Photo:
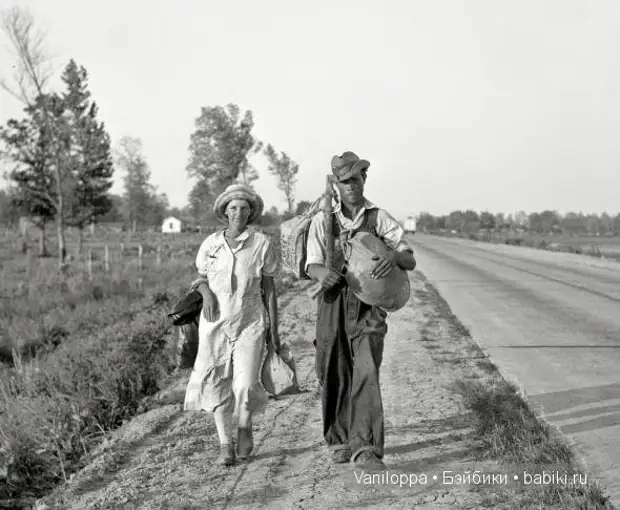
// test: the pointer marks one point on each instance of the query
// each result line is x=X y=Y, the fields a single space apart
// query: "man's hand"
x=326 y=277
x=209 y=303
x=384 y=264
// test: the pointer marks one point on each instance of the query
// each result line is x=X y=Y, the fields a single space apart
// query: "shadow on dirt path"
x=163 y=459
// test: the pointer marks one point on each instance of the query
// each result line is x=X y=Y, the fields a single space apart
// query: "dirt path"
x=163 y=458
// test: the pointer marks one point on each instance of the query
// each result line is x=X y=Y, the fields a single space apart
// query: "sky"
x=498 y=105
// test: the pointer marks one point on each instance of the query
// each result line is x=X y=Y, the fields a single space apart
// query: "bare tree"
x=32 y=70
x=32 y=67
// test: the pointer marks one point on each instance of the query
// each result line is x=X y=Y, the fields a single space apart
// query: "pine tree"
x=29 y=143
x=90 y=159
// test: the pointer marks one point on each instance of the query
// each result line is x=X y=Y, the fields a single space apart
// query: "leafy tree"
x=487 y=220
x=9 y=208
x=200 y=205
x=302 y=206
x=220 y=148
x=454 y=221
x=158 y=209
x=616 y=224
x=285 y=170
x=115 y=213
x=606 y=223
x=90 y=158
x=426 y=221
x=139 y=191
x=29 y=146
x=471 y=221
x=549 y=221
x=31 y=76
x=500 y=221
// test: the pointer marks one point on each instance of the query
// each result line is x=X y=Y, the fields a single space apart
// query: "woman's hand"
x=209 y=303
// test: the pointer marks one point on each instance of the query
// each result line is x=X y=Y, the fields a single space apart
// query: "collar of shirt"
x=243 y=237
x=356 y=222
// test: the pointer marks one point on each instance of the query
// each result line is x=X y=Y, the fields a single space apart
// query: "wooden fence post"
x=90 y=263
x=140 y=256
x=29 y=262
x=106 y=259
x=159 y=254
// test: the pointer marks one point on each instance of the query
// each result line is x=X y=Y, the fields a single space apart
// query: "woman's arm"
x=271 y=302
x=209 y=302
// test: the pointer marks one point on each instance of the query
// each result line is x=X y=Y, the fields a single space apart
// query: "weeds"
x=81 y=349
x=510 y=432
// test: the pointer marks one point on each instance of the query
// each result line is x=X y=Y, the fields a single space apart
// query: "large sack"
x=390 y=293
x=293 y=241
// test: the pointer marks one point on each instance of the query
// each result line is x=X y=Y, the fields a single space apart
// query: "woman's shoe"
x=245 y=442
x=226 y=456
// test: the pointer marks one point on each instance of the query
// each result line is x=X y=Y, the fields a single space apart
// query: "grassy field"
x=81 y=346
x=594 y=246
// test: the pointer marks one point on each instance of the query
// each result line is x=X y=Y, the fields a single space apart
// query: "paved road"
x=551 y=322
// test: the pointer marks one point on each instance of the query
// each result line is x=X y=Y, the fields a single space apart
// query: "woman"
x=236 y=267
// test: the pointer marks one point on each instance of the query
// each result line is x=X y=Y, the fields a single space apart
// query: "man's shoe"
x=369 y=460
x=341 y=456
x=245 y=442
x=226 y=456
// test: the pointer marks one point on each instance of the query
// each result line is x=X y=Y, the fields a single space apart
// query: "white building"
x=171 y=225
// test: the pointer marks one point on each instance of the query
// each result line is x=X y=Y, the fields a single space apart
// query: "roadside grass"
x=510 y=432
x=80 y=351
x=506 y=429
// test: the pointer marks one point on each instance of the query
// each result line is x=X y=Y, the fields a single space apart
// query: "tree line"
x=62 y=165
x=544 y=222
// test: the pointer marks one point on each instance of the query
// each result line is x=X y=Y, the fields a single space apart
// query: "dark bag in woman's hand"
x=187 y=309
x=187 y=345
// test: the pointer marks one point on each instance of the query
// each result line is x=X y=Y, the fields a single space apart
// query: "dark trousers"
x=349 y=350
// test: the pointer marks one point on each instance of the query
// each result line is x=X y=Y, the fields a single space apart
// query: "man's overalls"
x=349 y=351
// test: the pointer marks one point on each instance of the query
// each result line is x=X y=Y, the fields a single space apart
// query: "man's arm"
x=392 y=233
x=405 y=260
x=315 y=254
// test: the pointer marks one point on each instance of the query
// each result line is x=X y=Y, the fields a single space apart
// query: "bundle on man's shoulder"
x=390 y=293
x=294 y=241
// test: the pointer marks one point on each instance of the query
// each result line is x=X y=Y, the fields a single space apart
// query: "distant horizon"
x=498 y=106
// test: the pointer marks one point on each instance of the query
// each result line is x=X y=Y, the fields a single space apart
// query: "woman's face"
x=238 y=212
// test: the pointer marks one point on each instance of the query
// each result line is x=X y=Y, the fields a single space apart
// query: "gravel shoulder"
x=163 y=459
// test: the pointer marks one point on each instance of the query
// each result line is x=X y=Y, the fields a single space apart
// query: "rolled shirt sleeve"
x=315 y=247
x=392 y=232
x=202 y=258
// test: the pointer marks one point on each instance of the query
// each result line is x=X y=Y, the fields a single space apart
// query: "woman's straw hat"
x=239 y=192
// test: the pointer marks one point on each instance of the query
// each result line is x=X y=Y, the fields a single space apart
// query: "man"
x=350 y=333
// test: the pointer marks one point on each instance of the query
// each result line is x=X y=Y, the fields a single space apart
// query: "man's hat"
x=348 y=165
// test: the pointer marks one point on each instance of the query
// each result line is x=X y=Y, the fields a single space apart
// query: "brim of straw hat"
x=236 y=192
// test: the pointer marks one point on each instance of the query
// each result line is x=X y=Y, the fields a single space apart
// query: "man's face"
x=352 y=190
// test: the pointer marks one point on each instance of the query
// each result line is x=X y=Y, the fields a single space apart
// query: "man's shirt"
x=387 y=228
